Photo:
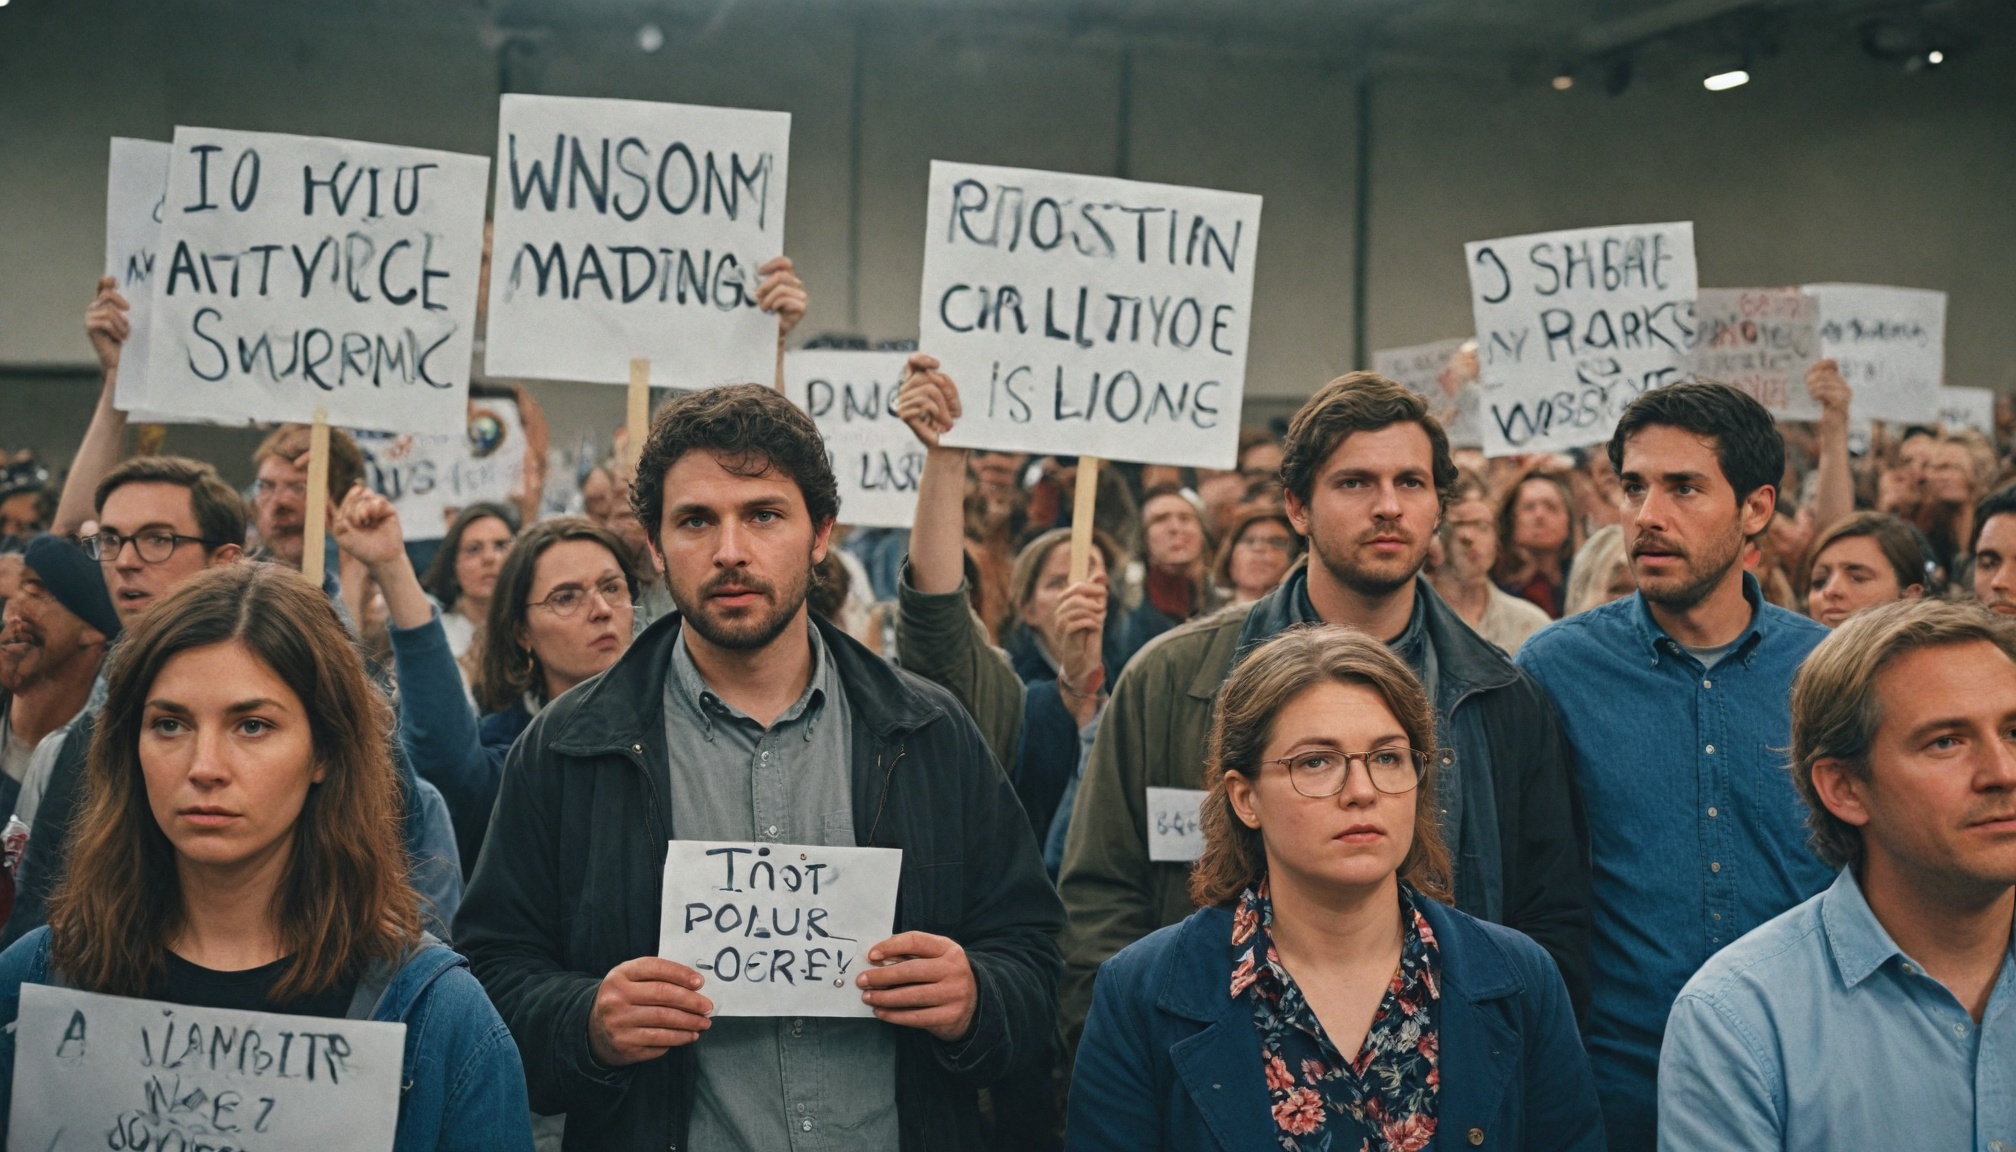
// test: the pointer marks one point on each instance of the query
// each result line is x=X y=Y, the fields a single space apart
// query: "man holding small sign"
x=851 y=931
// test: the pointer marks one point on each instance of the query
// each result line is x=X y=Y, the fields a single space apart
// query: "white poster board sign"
x=1086 y=315
x=1175 y=824
x=1572 y=326
x=777 y=929
x=1891 y=343
x=876 y=458
x=96 y=1072
x=430 y=476
x=1968 y=408
x=301 y=272
x=1423 y=369
x=136 y=188
x=628 y=229
x=1761 y=340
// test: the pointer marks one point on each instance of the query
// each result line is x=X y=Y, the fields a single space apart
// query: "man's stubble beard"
x=746 y=635
x=1370 y=584
x=1702 y=579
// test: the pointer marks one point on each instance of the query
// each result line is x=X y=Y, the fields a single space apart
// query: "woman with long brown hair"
x=239 y=848
x=1324 y=995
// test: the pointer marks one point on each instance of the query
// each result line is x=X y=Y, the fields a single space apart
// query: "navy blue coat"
x=1171 y=1061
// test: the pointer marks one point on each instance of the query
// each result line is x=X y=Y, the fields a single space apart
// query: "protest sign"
x=633 y=230
x=430 y=476
x=1891 y=344
x=1424 y=370
x=1967 y=408
x=777 y=929
x=298 y=273
x=876 y=458
x=1090 y=316
x=1761 y=340
x=97 y=1072
x=1572 y=326
x=1175 y=824
x=136 y=187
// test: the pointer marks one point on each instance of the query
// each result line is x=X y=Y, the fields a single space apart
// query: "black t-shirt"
x=200 y=987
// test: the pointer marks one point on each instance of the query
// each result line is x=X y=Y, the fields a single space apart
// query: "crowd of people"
x=1661 y=795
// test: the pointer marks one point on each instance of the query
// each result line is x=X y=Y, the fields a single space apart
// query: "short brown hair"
x=1259 y=688
x=1357 y=402
x=219 y=512
x=1836 y=712
x=507 y=669
x=289 y=441
x=750 y=429
x=344 y=901
x=1908 y=559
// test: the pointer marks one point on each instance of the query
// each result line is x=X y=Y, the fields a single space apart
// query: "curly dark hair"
x=1357 y=402
x=750 y=429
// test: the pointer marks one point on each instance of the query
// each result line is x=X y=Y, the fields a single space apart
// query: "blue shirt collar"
x=706 y=705
x=1650 y=634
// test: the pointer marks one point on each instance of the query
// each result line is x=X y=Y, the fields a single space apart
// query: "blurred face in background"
x=480 y=556
x=39 y=638
x=1469 y=541
x=21 y=515
x=1540 y=523
x=1172 y=533
x=998 y=473
x=597 y=490
x=1261 y=461
x=1260 y=557
x=279 y=508
x=1040 y=612
x=1849 y=575
x=1995 y=565
x=1949 y=474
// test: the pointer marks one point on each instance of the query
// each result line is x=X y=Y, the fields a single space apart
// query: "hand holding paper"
x=1829 y=389
x=924 y=982
x=929 y=401
x=105 y=322
x=645 y=1007
x=782 y=293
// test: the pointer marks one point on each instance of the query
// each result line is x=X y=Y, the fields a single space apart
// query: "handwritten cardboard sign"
x=1090 y=316
x=1761 y=340
x=96 y=1072
x=299 y=272
x=1891 y=343
x=777 y=929
x=627 y=229
x=1968 y=408
x=852 y=397
x=1175 y=824
x=1423 y=369
x=430 y=476
x=1572 y=326
x=136 y=188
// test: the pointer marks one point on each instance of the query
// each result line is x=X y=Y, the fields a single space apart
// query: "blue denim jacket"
x=1696 y=833
x=1817 y=1032
x=462 y=1088
x=1171 y=1059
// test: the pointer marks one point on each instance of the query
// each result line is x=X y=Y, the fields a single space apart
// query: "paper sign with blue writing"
x=430 y=476
x=1967 y=408
x=876 y=458
x=1891 y=344
x=1086 y=315
x=1761 y=340
x=777 y=929
x=136 y=189
x=94 y=1072
x=633 y=230
x=298 y=273
x=1175 y=824
x=1574 y=325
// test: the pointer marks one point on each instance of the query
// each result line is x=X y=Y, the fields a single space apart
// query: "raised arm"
x=106 y=323
x=1834 y=496
x=929 y=403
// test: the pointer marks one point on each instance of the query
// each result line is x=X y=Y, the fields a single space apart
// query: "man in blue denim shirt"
x=1882 y=1012
x=1675 y=702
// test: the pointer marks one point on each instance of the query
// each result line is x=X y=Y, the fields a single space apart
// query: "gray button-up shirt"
x=803 y=1083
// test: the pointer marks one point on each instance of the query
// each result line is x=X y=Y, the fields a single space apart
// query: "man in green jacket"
x=1366 y=475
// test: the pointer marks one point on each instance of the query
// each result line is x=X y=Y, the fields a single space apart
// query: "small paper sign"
x=876 y=458
x=136 y=188
x=94 y=1072
x=777 y=929
x=1175 y=824
x=1891 y=343
x=1424 y=370
x=1967 y=408
x=429 y=477
x=1761 y=340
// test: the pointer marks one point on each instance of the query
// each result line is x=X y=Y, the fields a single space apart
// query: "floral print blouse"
x=1382 y=1100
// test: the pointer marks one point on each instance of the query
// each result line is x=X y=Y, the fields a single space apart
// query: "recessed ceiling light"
x=1935 y=56
x=1562 y=83
x=1723 y=81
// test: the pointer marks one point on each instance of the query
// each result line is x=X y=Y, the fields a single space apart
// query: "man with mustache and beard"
x=1366 y=476
x=1675 y=700
x=741 y=717
x=1882 y=1012
x=53 y=635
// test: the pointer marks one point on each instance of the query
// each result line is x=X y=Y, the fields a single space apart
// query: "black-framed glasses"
x=154 y=545
x=1323 y=773
x=568 y=599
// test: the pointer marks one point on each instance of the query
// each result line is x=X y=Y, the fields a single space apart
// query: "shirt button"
x=1476 y=1137
x=805 y=1125
x=1717 y=915
x=773 y=829
x=1711 y=813
x=1909 y=970
x=1711 y=749
x=1959 y=1029
x=1707 y=684
x=801 y=1109
x=1714 y=866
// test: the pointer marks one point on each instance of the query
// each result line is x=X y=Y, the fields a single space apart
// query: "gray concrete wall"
x=1828 y=166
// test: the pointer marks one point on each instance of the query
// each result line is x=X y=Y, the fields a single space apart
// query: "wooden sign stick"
x=1084 y=504
x=315 y=521
x=780 y=361
x=640 y=413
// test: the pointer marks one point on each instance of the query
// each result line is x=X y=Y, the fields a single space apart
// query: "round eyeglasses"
x=1320 y=774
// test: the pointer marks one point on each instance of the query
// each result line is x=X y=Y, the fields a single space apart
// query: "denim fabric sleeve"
x=24 y=962
x=437 y=729
x=1714 y=1091
x=486 y=1108
x=436 y=874
x=1114 y=1104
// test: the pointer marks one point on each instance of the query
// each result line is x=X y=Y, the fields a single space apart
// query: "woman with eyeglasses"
x=463 y=575
x=1325 y=996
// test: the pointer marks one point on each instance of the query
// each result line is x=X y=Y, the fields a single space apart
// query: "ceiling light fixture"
x=1723 y=81
x=1562 y=83
x=1935 y=57
x=650 y=38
